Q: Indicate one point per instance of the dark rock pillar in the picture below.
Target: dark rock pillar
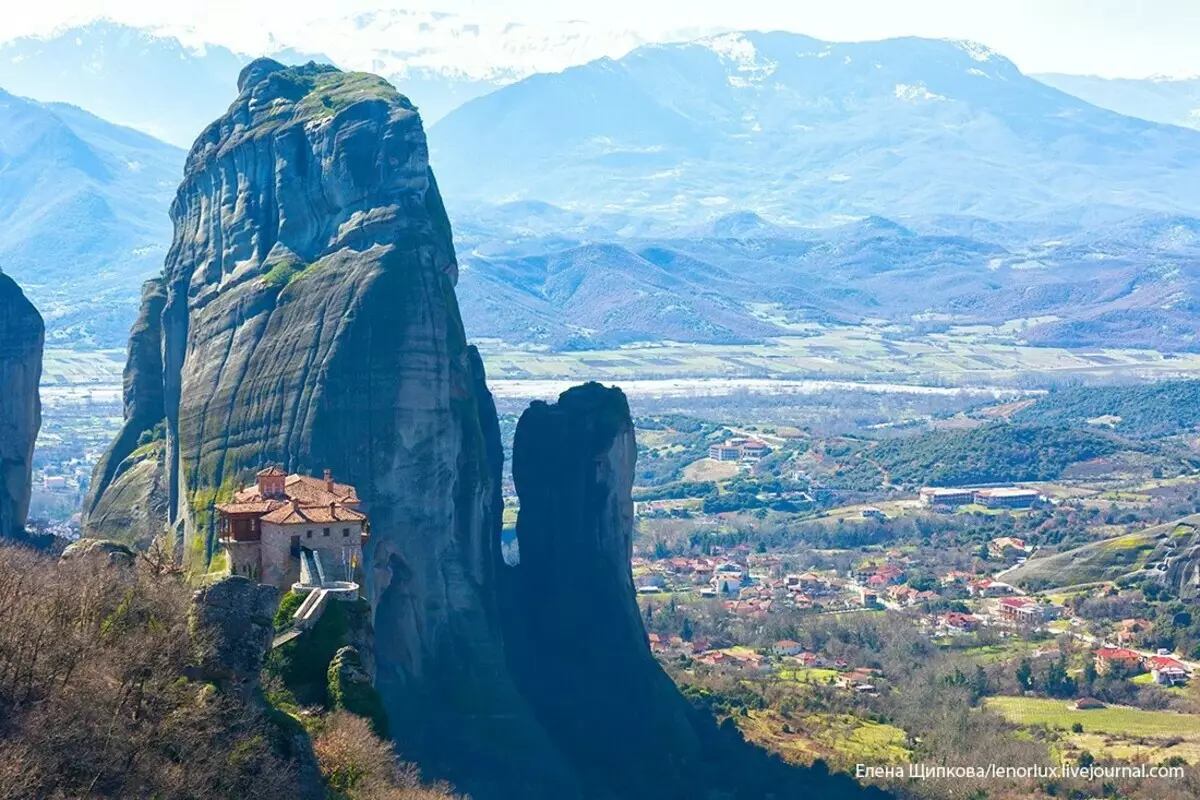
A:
(576, 643)
(22, 337)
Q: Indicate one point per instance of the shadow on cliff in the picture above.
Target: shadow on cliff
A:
(312, 324)
(575, 641)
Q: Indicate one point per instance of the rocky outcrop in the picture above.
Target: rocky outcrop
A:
(308, 320)
(22, 337)
(101, 550)
(573, 465)
(231, 624)
(128, 499)
(576, 644)
(351, 688)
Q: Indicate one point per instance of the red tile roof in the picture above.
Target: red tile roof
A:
(1117, 654)
(251, 507)
(1164, 662)
(309, 491)
(295, 514)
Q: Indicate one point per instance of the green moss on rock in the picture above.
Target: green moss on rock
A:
(350, 689)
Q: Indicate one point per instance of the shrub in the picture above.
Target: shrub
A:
(284, 273)
(93, 698)
(357, 764)
(288, 606)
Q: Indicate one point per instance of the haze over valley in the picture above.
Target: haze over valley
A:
(487, 402)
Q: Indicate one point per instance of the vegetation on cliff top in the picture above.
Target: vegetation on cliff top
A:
(330, 92)
(319, 91)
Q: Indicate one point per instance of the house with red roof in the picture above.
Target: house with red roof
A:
(957, 622)
(986, 587)
(1025, 610)
(809, 660)
(1167, 671)
(267, 527)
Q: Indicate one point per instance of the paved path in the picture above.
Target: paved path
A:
(285, 637)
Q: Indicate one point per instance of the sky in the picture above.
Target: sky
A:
(1112, 38)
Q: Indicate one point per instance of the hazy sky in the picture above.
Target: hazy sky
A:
(1133, 38)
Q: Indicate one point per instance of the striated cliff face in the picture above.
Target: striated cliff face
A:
(22, 337)
(307, 317)
(127, 500)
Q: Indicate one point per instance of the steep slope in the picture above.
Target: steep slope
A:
(794, 127)
(21, 339)
(1170, 553)
(127, 500)
(1166, 100)
(82, 215)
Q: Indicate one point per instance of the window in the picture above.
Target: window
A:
(308, 535)
(327, 531)
(345, 532)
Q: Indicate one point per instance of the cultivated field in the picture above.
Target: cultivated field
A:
(1118, 732)
(1116, 720)
(77, 368)
(962, 356)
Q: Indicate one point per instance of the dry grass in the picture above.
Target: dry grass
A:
(359, 766)
(706, 469)
(93, 702)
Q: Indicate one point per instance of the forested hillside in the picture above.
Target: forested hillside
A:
(1146, 410)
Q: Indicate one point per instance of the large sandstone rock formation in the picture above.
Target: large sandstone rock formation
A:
(573, 465)
(128, 499)
(22, 337)
(307, 317)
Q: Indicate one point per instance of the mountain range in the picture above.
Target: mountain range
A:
(741, 278)
(133, 76)
(1173, 101)
(662, 195)
(802, 129)
(82, 215)
(129, 76)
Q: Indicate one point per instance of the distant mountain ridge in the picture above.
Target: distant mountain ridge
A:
(742, 278)
(126, 75)
(135, 76)
(1172, 101)
(82, 215)
(801, 129)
